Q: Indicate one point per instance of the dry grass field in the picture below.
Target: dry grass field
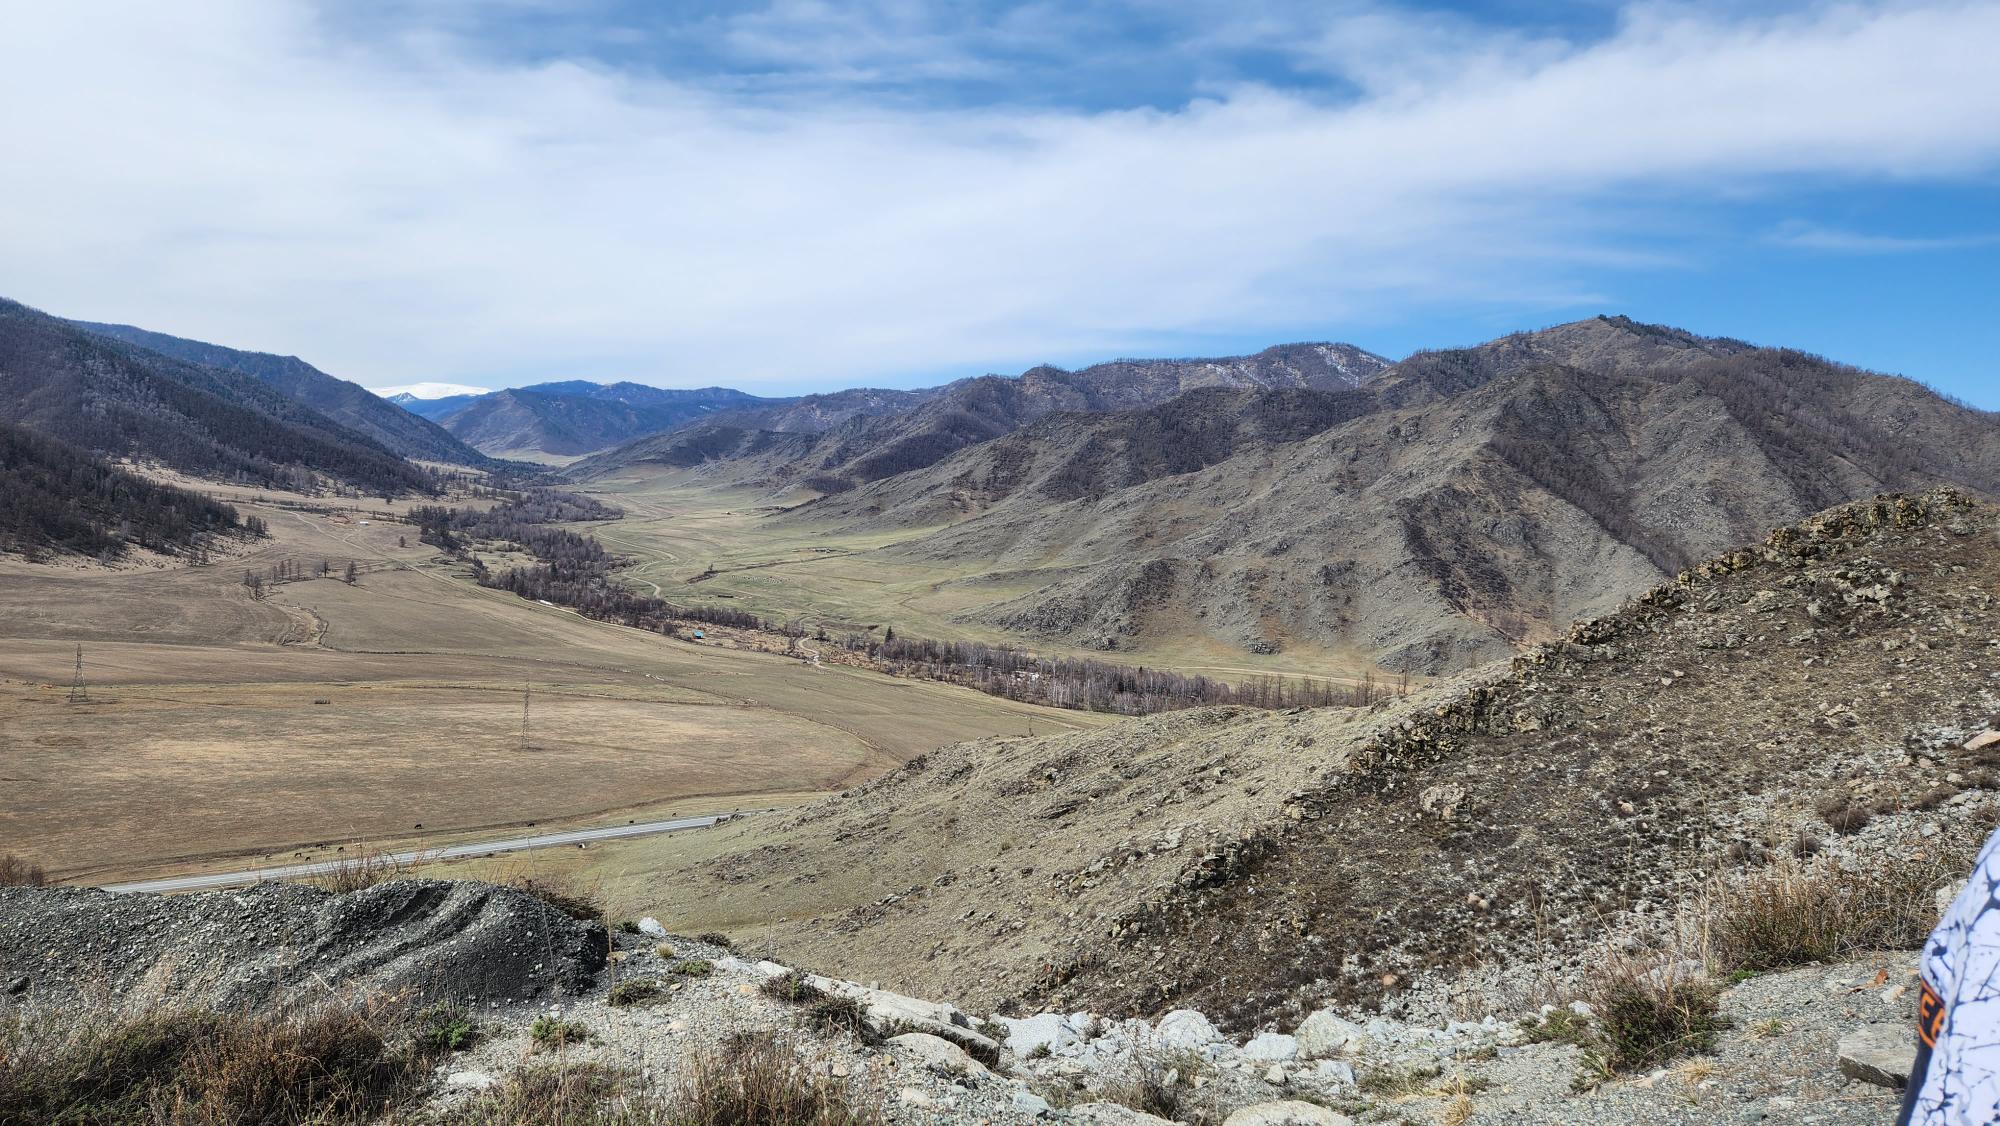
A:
(678, 527)
(220, 728)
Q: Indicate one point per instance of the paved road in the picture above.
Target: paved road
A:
(481, 848)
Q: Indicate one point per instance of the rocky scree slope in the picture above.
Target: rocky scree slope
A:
(1453, 509)
(1254, 865)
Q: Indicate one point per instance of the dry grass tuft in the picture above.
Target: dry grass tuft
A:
(193, 1068)
(1795, 912)
(577, 1094)
(762, 1082)
(1159, 1086)
(577, 900)
(366, 868)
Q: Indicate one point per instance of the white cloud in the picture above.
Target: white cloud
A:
(416, 210)
(1803, 235)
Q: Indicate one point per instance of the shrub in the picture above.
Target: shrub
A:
(1648, 1014)
(761, 1082)
(197, 1068)
(834, 1012)
(555, 1032)
(16, 872)
(794, 987)
(714, 938)
(664, 950)
(629, 926)
(693, 967)
(633, 992)
(443, 1028)
(1842, 813)
(1563, 1026)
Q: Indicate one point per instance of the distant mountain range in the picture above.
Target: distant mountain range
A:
(1429, 514)
(834, 442)
(574, 416)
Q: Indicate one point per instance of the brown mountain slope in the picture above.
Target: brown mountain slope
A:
(1454, 508)
(1256, 864)
(869, 447)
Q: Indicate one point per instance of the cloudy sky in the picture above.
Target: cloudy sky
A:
(802, 194)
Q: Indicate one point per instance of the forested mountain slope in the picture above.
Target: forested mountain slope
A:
(1459, 505)
(116, 399)
(349, 404)
(55, 499)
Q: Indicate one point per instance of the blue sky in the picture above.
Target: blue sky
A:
(795, 195)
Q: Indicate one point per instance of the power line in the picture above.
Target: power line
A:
(77, 693)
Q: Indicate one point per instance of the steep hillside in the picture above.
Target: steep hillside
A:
(1459, 505)
(864, 447)
(55, 499)
(1256, 865)
(349, 404)
(578, 417)
(113, 398)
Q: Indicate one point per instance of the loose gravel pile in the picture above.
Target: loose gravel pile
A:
(281, 943)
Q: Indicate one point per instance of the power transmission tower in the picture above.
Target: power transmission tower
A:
(527, 688)
(77, 693)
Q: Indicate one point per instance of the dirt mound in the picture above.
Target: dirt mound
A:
(276, 943)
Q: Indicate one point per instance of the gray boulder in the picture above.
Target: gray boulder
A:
(1882, 1054)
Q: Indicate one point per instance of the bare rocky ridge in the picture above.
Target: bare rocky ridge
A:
(1255, 865)
(1451, 510)
(777, 449)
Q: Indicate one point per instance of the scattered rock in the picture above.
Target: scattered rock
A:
(1289, 1112)
(651, 926)
(939, 1055)
(1882, 1054)
(1271, 1047)
(1111, 1114)
(469, 1081)
(1186, 1029)
(1028, 1102)
(1325, 1033)
(1043, 1032)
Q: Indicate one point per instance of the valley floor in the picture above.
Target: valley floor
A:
(219, 726)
